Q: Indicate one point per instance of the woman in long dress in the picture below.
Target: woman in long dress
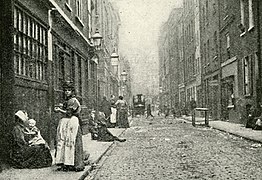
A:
(69, 151)
(113, 111)
(24, 155)
(99, 129)
(122, 116)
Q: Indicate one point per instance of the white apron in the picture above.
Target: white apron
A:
(66, 138)
(113, 115)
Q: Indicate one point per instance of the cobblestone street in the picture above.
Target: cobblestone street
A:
(171, 149)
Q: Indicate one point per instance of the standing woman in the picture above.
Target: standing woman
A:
(113, 110)
(69, 152)
(122, 119)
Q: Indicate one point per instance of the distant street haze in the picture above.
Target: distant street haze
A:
(139, 31)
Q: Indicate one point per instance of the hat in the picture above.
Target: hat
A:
(22, 115)
(68, 85)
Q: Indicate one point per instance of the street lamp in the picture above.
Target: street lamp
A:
(97, 38)
(114, 62)
(124, 79)
(160, 89)
(124, 76)
(114, 58)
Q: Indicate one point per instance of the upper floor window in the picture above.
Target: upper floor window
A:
(242, 12)
(228, 45)
(215, 44)
(79, 10)
(68, 4)
(247, 14)
(30, 46)
(250, 14)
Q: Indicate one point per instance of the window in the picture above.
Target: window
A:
(215, 46)
(79, 59)
(207, 13)
(79, 9)
(228, 45)
(242, 9)
(214, 8)
(247, 75)
(68, 5)
(30, 46)
(250, 14)
(208, 51)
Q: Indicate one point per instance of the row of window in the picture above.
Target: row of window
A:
(30, 46)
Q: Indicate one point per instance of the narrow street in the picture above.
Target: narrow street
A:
(171, 149)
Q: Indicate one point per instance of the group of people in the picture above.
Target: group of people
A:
(30, 150)
(116, 112)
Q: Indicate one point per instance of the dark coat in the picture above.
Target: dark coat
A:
(105, 107)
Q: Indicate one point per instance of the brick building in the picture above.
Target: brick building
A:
(209, 34)
(220, 56)
(43, 44)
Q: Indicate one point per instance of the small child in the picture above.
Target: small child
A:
(35, 132)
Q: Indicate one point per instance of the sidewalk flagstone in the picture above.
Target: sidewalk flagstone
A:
(95, 148)
(232, 128)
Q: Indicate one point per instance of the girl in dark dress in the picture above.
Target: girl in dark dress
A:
(69, 151)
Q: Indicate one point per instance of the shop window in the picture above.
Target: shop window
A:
(30, 59)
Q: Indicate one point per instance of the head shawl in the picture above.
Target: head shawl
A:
(22, 115)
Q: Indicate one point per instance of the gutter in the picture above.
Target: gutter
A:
(61, 12)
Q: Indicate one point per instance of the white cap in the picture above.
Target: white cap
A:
(23, 116)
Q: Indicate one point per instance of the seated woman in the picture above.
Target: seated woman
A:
(22, 154)
(99, 129)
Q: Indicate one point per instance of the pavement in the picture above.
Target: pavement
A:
(96, 149)
(229, 127)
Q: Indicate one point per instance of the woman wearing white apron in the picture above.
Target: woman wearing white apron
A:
(113, 110)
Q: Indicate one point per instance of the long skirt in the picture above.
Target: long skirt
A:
(104, 134)
(69, 143)
(122, 119)
(37, 156)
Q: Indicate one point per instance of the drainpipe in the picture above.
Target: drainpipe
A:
(50, 75)
(49, 35)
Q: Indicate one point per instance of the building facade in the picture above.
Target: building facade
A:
(43, 44)
(107, 21)
(209, 34)
(220, 57)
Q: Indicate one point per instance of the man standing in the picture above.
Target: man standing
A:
(193, 105)
(148, 111)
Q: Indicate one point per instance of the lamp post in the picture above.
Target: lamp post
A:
(114, 58)
(124, 79)
(97, 39)
(114, 63)
(160, 96)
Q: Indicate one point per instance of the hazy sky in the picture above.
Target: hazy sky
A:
(140, 23)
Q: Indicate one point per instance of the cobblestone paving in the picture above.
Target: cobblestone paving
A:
(171, 149)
